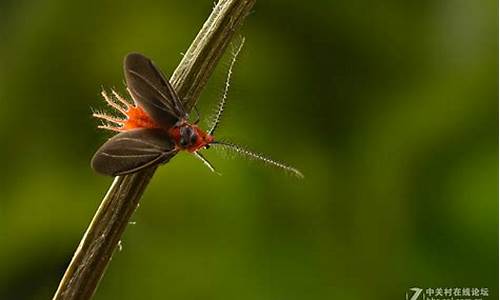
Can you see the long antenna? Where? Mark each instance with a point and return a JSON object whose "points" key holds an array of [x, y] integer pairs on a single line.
{"points": [[222, 103], [257, 156]]}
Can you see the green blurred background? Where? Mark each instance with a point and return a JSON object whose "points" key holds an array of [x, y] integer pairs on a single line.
{"points": [[390, 109]]}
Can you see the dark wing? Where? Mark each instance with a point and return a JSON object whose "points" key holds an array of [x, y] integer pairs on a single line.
{"points": [[132, 151], [151, 91]]}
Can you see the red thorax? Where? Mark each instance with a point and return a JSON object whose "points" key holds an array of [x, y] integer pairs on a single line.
{"points": [[137, 118]]}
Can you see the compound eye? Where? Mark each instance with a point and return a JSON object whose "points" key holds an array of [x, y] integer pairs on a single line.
{"points": [[183, 142], [186, 134], [194, 138]]}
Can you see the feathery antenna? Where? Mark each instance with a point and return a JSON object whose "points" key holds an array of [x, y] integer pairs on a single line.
{"points": [[222, 103], [257, 156]]}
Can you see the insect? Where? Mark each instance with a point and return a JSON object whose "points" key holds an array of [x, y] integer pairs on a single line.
{"points": [[156, 126]]}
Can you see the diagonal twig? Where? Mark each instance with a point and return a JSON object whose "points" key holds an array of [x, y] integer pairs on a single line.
{"points": [[104, 232]]}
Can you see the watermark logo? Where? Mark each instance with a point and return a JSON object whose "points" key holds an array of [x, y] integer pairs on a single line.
{"points": [[447, 293], [414, 294]]}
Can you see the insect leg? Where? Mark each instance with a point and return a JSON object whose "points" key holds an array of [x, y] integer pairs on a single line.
{"points": [[121, 99], [107, 127], [108, 118], [112, 103], [206, 162]]}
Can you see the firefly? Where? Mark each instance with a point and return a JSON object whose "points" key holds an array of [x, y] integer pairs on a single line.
{"points": [[156, 126]]}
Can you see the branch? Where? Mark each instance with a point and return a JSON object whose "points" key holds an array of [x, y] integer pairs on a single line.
{"points": [[104, 232]]}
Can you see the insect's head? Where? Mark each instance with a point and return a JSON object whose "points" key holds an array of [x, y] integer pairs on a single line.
{"points": [[192, 138], [187, 136]]}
